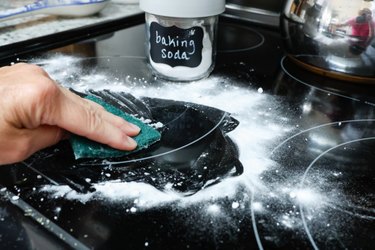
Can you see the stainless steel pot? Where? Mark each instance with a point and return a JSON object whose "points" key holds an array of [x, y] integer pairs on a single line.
{"points": [[332, 37]]}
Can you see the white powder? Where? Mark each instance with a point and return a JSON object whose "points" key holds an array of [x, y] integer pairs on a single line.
{"points": [[264, 121], [266, 193], [261, 124]]}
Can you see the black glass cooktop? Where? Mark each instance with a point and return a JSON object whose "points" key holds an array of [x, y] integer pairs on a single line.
{"points": [[260, 155]]}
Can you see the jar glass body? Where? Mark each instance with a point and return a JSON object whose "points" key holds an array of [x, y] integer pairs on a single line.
{"points": [[181, 49]]}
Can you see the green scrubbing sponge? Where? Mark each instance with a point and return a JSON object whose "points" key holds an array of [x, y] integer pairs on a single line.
{"points": [[85, 148]]}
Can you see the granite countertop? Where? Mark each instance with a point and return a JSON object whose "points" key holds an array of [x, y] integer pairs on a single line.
{"points": [[25, 28]]}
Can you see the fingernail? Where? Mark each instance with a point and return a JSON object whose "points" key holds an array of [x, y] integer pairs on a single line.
{"points": [[132, 129], [131, 142], [135, 127]]}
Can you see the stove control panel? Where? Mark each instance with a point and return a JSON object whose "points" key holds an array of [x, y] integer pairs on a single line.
{"points": [[265, 12]]}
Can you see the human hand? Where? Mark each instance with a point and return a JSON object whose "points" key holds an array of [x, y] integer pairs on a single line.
{"points": [[35, 113]]}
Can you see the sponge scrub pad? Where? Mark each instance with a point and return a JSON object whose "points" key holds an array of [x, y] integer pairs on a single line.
{"points": [[85, 148]]}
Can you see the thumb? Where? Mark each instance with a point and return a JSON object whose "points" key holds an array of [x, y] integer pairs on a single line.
{"points": [[29, 142]]}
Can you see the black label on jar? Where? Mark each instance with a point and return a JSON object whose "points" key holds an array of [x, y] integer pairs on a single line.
{"points": [[175, 46]]}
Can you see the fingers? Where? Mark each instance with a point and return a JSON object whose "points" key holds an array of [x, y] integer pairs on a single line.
{"points": [[35, 110], [129, 128], [84, 118]]}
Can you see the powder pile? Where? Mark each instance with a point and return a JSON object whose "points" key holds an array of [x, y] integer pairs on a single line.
{"points": [[261, 124]]}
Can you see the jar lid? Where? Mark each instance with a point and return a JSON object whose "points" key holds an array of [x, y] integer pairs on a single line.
{"points": [[183, 8]]}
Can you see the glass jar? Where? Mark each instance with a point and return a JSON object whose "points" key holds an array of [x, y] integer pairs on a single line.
{"points": [[181, 37]]}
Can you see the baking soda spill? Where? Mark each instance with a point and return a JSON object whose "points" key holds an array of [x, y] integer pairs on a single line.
{"points": [[235, 205], [306, 197], [15, 198], [213, 209], [260, 126], [257, 206], [263, 124]]}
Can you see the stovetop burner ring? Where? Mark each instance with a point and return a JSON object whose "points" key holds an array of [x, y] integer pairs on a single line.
{"points": [[314, 81], [328, 206], [234, 38], [320, 60], [351, 210]]}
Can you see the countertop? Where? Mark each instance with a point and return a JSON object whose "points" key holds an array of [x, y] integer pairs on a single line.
{"points": [[26, 28]]}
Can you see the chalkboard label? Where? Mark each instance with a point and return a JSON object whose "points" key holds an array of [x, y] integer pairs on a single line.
{"points": [[175, 46]]}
